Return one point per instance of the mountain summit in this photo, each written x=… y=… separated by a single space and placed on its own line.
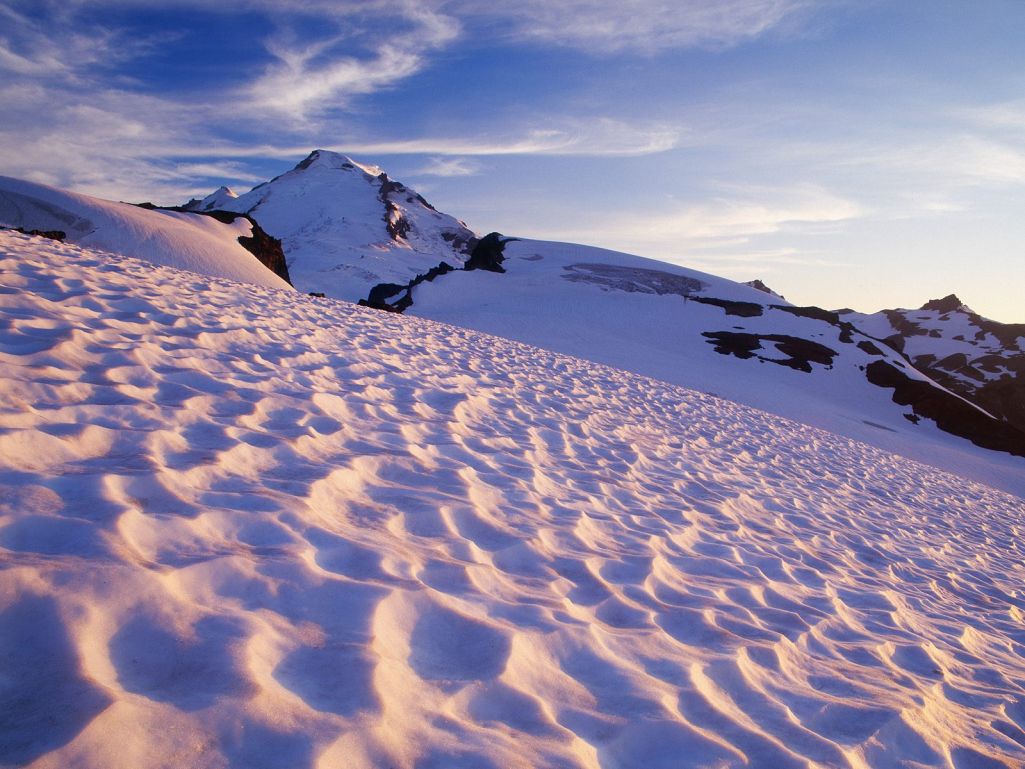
x=977 y=358
x=346 y=226
x=336 y=161
x=949 y=303
x=215 y=201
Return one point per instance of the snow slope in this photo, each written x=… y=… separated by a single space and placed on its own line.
x=655 y=318
x=349 y=231
x=344 y=538
x=183 y=240
x=346 y=227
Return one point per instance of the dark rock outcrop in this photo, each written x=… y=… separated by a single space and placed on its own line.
x=801 y=353
x=264 y=247
x=50 y=234
x=379 y=295
x=267 y=249
x=758 y=284
x=397 y=225
x=488 y=253
x=867 y=347
x=815 y=313
x=950 y=413
x=949 y=303
x=730 y=307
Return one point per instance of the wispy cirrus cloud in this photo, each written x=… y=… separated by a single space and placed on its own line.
x=729 y=228
x=736 y=218
x=114 y=144
x=311 y=78
x=598 y=137
x=448 y=167
x=570 y=137
x=33 y=48
x=968 y=159
x=998 y=115
x=613 y=26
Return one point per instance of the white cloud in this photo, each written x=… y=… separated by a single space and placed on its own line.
x=311 y=78
x=295 y=86
x=449 y=167
x=599 y=137
x=977 y=159
x=935 y=167
x=724 y=229
x=112 y=144
x=31 y=49
x=735 y=220
x=1008 y=114
x=217 y=170
x=600 y=26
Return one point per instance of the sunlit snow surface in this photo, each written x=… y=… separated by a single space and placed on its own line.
x=170 y=238
x=633 y=313
x=243 y=527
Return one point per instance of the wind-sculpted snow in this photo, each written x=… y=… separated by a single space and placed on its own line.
x=340 y=538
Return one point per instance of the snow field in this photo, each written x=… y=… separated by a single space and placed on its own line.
x=242 y=527
x=545 y=299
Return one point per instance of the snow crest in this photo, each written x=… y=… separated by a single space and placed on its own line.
x=249 y=528
x=187 y=241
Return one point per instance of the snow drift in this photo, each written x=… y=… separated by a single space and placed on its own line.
x=349 y=538
x=175 y=239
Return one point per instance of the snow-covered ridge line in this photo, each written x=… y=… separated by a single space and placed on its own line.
x=978 y=358
x=187 y=241
x=265 y=248
x=296 y=542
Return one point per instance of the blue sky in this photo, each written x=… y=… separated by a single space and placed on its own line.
x=867 y=154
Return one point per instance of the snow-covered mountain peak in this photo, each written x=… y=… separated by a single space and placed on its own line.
x=326 y=159
x=346 y=227
x=215 y=201
x=949 y=303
